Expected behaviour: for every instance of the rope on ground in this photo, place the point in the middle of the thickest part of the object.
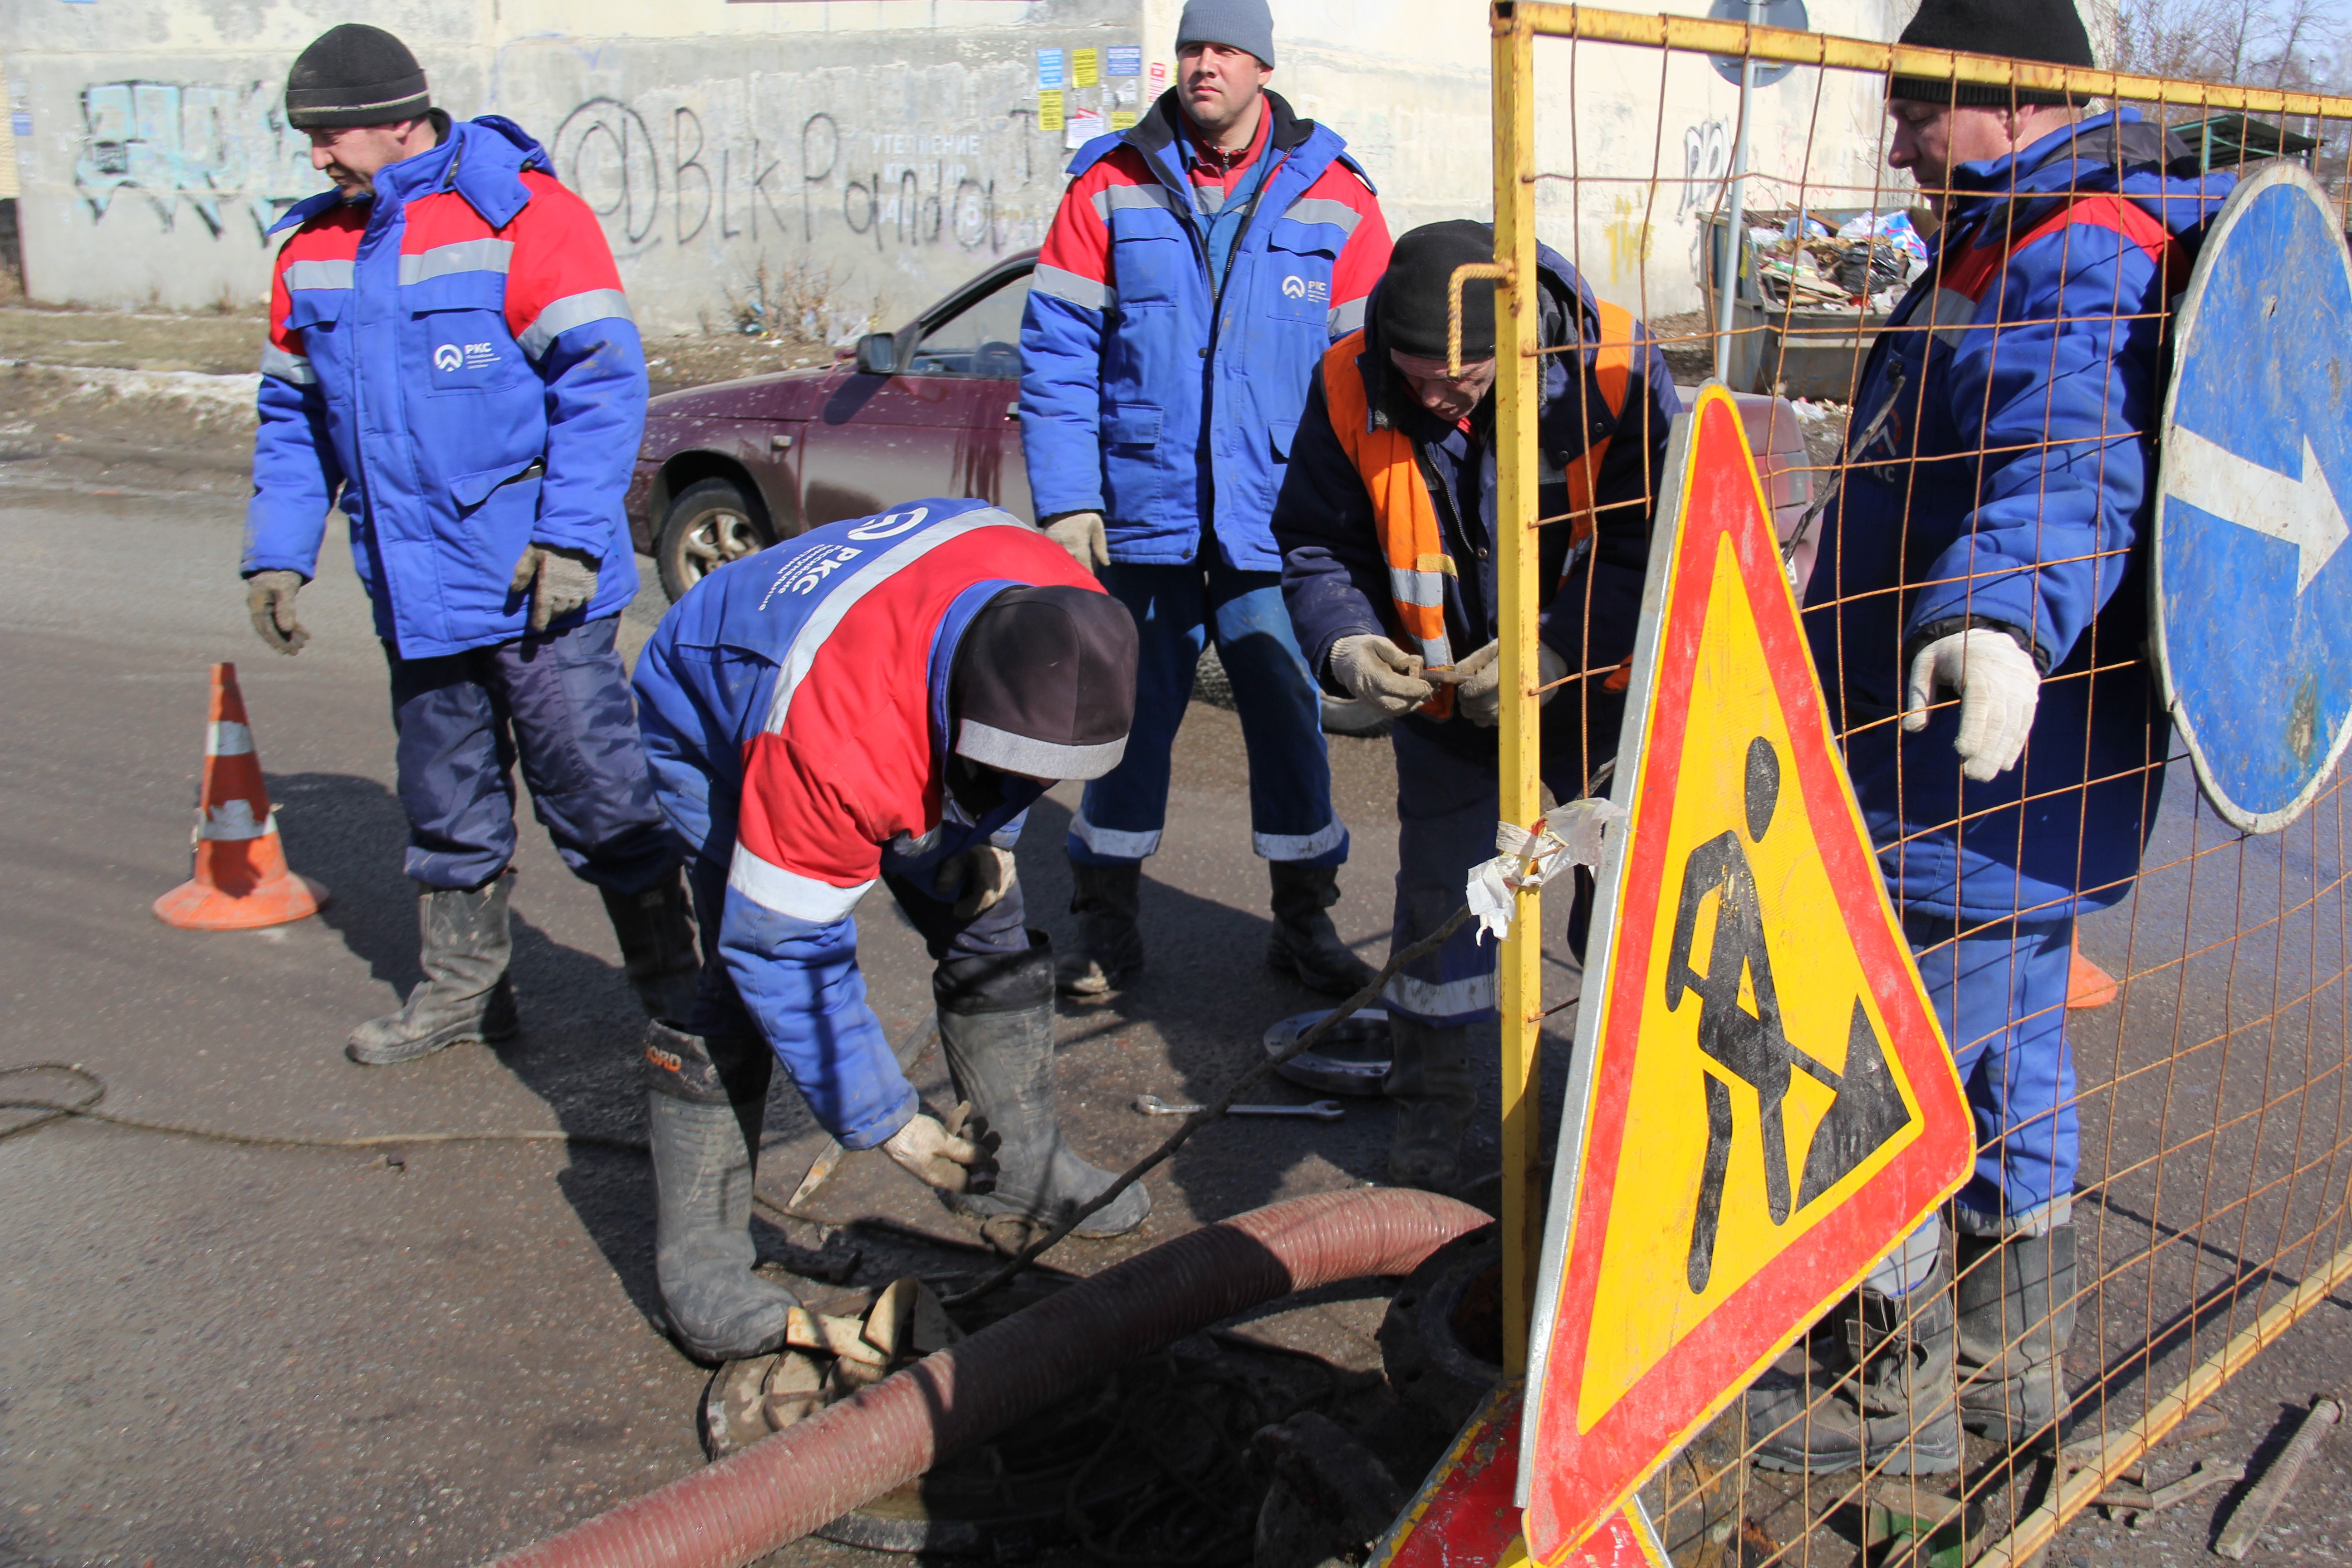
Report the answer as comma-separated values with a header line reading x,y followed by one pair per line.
x,y
86,1109
1306,1041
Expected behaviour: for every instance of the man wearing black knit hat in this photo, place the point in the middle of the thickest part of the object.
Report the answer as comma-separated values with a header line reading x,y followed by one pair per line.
x,y
876,700
1386,528
1982,576
451,363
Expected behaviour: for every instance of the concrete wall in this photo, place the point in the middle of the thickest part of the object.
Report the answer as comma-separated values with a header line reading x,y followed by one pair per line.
x,y
838,158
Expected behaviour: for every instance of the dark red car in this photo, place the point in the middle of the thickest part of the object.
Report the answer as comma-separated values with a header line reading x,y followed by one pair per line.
x,y
932,409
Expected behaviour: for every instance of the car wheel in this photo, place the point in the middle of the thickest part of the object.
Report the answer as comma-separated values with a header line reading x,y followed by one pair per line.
x,y
712,521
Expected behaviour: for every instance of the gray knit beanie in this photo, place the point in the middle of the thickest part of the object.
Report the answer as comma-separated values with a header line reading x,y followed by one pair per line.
x,y
1236,24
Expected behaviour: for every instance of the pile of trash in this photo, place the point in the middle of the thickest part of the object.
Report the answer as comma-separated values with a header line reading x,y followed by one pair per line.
x,y
1862,267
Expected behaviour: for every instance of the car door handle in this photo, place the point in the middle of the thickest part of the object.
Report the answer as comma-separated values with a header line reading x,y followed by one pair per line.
x,y
1011,412
779,442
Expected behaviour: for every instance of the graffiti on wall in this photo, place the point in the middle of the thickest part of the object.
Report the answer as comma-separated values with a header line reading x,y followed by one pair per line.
x,y
214,150
1706,159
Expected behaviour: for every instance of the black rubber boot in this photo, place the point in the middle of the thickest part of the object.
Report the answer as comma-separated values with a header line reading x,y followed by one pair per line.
x,y
1885,1395
1110,948
463,946
996,1026
1303,943
1429,1079
707,1102
658,951
2016,1313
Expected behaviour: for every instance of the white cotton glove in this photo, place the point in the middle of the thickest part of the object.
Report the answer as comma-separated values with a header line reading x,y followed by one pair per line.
x,y
1081,533
1478,682
1998,685
269,599
937,1154
1374,670
985,874
559,581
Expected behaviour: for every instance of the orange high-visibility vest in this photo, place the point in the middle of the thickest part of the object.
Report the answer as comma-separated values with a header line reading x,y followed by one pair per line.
x,y
1403,510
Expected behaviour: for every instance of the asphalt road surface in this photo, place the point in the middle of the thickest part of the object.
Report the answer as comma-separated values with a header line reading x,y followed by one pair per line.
x,y
215,1354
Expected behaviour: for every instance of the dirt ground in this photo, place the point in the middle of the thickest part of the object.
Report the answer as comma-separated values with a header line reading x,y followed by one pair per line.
x,y
222,1355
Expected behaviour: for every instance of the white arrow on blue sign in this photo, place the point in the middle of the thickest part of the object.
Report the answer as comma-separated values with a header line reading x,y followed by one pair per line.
x,y
2253,586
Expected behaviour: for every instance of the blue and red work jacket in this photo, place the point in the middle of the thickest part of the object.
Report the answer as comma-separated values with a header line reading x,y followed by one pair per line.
x,y
795,719
1156,397
453,363
2003,454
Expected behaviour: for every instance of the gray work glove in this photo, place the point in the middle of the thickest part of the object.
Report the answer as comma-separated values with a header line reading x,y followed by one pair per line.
x,y
559,581
1998,685
1081,533
937,1154
1375,671
1478,682
269,597
985,874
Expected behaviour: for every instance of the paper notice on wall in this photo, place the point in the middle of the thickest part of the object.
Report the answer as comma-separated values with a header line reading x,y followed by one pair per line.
x,y
1159,77
1123,59
1049,67
1049,109
1122,119
1085,68
1085,124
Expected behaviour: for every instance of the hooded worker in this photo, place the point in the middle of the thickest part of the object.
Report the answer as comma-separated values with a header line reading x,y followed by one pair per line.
x,y
1388,529
877,699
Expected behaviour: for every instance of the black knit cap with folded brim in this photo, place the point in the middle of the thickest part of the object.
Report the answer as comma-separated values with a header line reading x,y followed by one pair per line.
x,y
2046,31
1415,292
1045,683
355,75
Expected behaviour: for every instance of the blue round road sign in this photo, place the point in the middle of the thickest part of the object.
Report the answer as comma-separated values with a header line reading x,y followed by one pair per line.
x,y
1788,13
2251,586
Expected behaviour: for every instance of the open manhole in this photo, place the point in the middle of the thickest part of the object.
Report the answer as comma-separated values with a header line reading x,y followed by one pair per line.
x,y
1353,1058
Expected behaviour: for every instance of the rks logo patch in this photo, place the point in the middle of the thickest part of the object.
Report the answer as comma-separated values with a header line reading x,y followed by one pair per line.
x,y
1296,287
451,358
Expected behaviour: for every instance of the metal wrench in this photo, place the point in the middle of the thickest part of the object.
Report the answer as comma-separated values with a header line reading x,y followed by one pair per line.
x,y
1320,1111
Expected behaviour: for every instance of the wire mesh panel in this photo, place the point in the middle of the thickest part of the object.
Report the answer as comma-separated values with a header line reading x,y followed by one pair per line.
x,y
1960,300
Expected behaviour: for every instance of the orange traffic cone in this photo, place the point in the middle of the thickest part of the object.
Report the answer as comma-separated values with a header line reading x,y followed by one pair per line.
x,y
241,880
2087,985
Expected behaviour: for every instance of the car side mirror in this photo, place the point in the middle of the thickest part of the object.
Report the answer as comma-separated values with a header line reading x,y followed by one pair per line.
x,y
877,354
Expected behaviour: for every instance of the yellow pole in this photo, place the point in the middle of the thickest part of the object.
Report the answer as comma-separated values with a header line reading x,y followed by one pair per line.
x,y
1518,330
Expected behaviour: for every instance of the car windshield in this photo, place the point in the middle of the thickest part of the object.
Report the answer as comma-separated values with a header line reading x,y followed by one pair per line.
x,y
982,339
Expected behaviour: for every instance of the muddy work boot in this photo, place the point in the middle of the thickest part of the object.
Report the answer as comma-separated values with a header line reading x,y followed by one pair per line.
x,y
707,1102
996,1026
1303,943
1886,1394
464,949
658,951
2016,1312
1429,1079
1110,948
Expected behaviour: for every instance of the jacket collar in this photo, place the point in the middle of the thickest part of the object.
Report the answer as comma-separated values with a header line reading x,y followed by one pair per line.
x,y
1163,127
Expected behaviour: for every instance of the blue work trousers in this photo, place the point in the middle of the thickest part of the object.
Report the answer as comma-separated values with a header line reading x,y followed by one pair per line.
x,y
560,703
1176,608
1999,990
1447,805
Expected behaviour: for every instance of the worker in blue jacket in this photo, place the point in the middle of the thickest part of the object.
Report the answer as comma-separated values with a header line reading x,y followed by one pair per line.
x,y
878,700
451,362
1199,264
1978,614
1388,529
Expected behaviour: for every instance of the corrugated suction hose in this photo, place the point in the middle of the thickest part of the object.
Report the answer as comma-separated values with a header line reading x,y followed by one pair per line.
x,y
783,1487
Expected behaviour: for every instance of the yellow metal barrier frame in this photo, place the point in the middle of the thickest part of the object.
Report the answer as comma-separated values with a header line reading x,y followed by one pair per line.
x,y
1517,24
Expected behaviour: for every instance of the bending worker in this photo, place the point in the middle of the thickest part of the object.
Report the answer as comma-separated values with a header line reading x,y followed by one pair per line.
x,y
1990,545
452,362
1198,266
1386,527
877,699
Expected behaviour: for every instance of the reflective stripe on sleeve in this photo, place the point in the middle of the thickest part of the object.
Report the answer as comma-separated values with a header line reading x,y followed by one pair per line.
x,y
286,366
561,316
789,893
1347,317
1115,198
465,256
1323,209
318,275
1083,292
